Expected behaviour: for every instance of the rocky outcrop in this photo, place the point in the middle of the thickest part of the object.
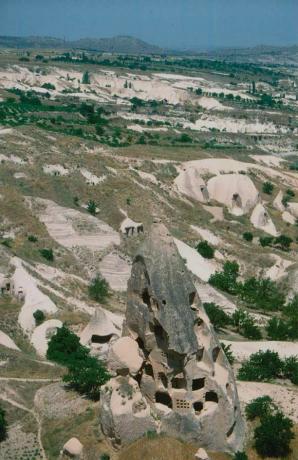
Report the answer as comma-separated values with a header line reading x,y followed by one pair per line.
x,y
184,386
73,448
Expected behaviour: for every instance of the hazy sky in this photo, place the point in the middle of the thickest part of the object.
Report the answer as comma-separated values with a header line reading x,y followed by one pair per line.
x,y
168,23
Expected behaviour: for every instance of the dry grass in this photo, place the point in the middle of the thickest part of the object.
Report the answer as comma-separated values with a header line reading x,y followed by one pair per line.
x,y
163,448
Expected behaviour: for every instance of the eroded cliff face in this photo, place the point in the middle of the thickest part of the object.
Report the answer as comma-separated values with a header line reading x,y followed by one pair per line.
x,y
183,385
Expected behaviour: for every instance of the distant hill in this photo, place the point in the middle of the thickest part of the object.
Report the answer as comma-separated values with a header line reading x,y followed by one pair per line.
x,y
120,44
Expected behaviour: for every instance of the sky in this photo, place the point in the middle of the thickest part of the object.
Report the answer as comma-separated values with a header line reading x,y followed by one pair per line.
x,y
176,24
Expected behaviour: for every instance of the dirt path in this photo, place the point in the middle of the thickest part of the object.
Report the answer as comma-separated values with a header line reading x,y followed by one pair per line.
x,y
20,379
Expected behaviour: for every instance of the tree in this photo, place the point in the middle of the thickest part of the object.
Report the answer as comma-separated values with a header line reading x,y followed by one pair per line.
x,y
185,138
3,425
47,254
259,407
39,317
205,250
268,188
91,207
277,329
199,91
217,316
64,346
261,366
228,352
263,294
273,436
247,236
86,78
87,376
290,369
245,325
99,289
266,240
283,242
227,279
240,456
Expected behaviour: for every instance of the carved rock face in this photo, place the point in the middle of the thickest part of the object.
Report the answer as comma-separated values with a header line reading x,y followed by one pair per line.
x,y
185,376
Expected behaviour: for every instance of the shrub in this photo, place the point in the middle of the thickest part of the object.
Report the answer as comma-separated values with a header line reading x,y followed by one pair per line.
x,y
185,138
91,207
86,78
3,425
49,86
259,407
105,457
240,456
245,325
98,289
39,317
277,329
86,376
283,242
273,436
261,366
290,369
217,316
47,254
248,236
32,238
268,188
205,250
64,345
227,279
228,352
266,240
263,294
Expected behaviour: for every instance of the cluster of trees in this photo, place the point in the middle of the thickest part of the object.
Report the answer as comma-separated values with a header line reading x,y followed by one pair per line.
x,y
267,365
98,289
240,320
282,242
288,195
286,326
274,432
258,293
86,374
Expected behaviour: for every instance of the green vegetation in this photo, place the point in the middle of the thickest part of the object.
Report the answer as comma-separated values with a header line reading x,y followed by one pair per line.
x,y
3,425
91,207
268,188
247,236
240,456
228,352
48,254
49,86
98,289
259,407
273,434
227,279
245,325
86,78
267,365
217,316
205,250
289,194
39,317
86,373
32,238
282,242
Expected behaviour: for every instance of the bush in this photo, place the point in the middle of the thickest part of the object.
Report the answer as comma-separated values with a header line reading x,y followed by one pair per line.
x,y
273,436
39,317
228,352
263,294
86,376
259,407
227,279
47,254
268,188
245,325
283,242
64,345
91,207
217,316
266,240
261,366
49,86
248,236
205,250
3,425
99,289
240,456
32,238
86,78
290,369
185,138
277,329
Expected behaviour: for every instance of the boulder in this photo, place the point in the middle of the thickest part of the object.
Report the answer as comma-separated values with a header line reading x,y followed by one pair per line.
x,y
124,355
201,454
73,448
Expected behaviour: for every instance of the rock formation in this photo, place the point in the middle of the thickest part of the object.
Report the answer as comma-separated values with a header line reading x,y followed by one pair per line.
x,y
177,379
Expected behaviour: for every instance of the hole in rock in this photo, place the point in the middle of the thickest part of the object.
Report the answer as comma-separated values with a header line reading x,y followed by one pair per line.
x,y
198,406
163,398
197,384
211,396
101,338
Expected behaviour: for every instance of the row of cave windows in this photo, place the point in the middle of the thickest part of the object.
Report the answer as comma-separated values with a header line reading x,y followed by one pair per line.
x,y
166,400
177,382
147,299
